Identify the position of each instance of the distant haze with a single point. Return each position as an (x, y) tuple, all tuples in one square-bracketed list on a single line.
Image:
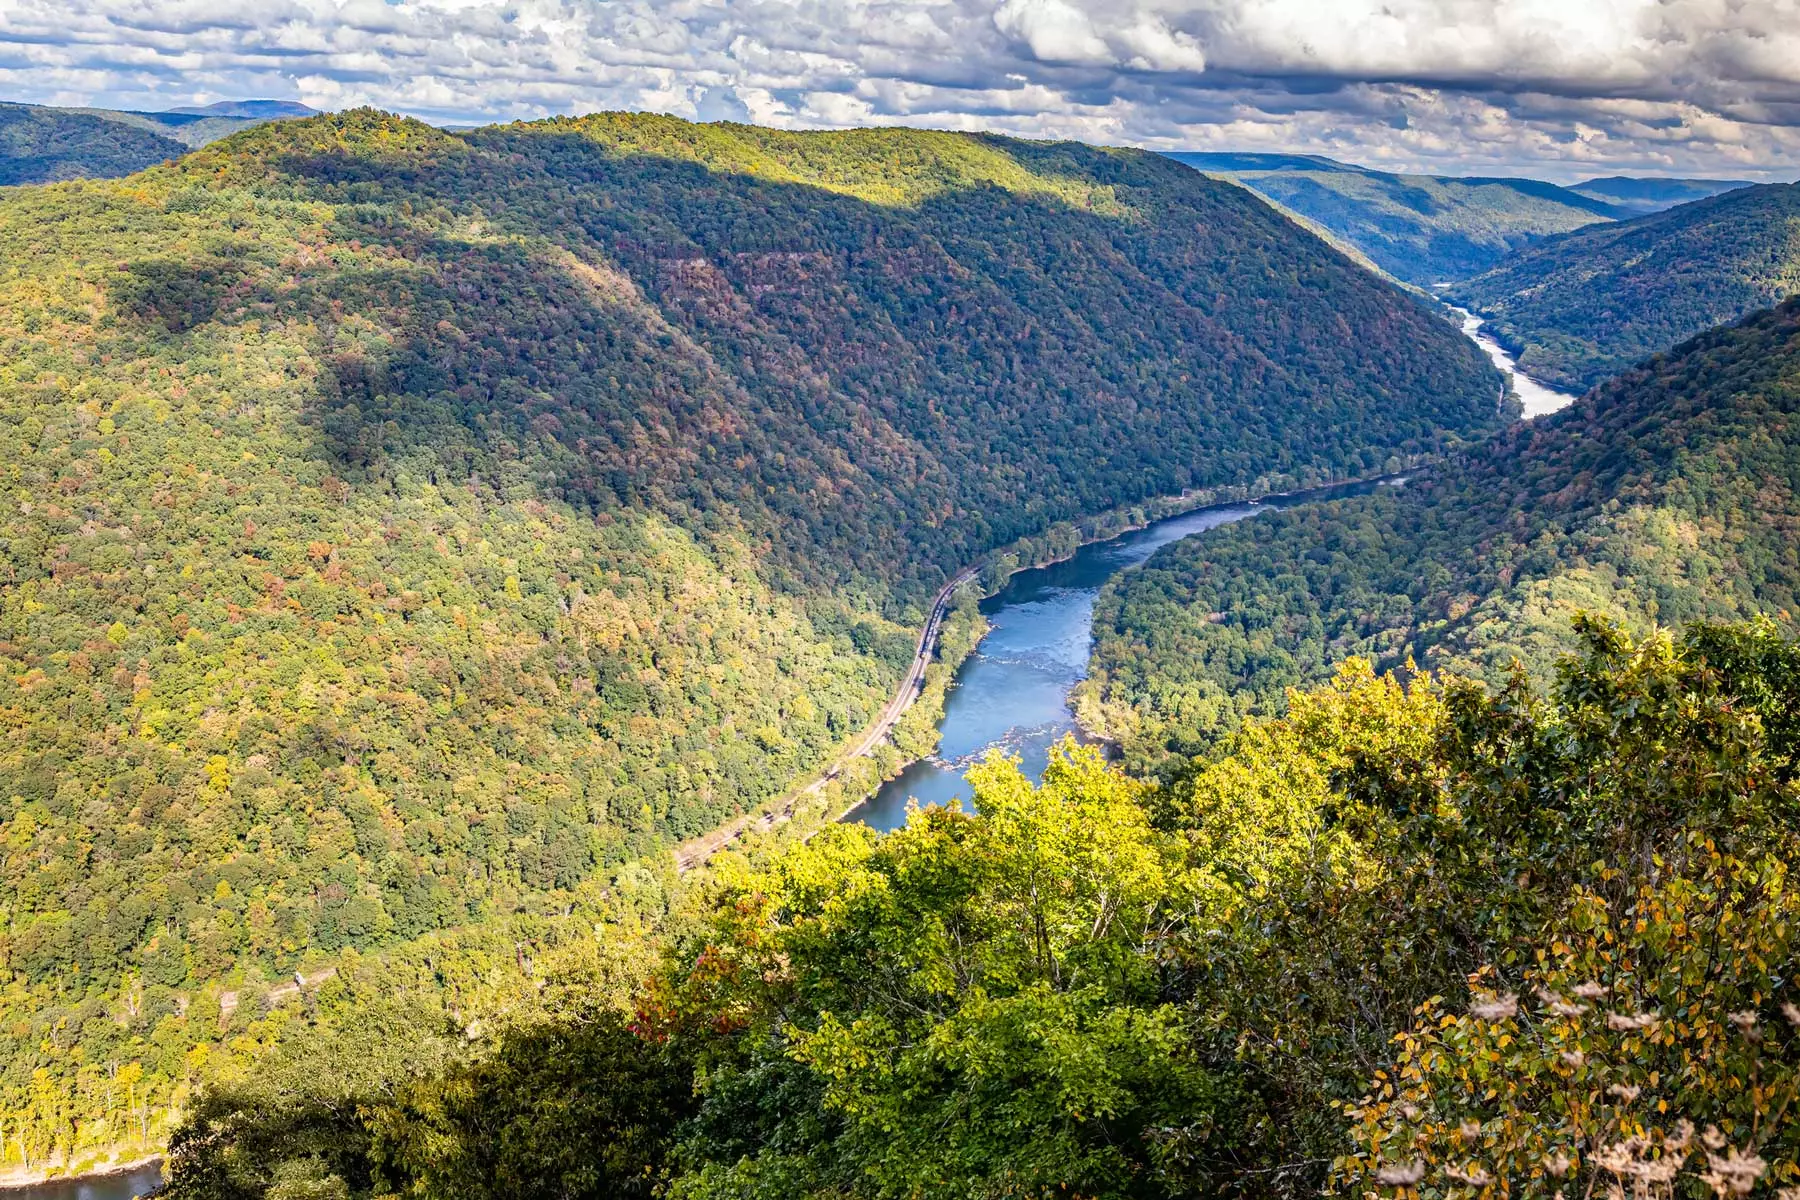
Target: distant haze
[(1427, 229)]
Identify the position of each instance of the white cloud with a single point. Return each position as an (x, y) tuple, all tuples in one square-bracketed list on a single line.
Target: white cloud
[(1156, 47), (1556, 87), (1055, 31)]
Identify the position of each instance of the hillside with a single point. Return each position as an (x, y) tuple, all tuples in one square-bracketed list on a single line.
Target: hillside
[(1578, 308), (1423, 229), (42, 144), (1669, 495), (1400, 937), (406, 532), (38, 145), (1638, 195)]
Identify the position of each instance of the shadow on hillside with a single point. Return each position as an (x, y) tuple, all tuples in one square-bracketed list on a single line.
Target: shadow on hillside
[(871, 390)]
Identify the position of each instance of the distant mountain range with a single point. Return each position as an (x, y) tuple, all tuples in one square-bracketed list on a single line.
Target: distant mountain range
[(1648, 195), (42, 144), (1428, 229), (249, 110)]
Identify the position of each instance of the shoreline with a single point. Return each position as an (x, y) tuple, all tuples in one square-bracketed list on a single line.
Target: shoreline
[(19, 1179), (696, 852), (1166, 507), (1088, 530), (1181, 503)]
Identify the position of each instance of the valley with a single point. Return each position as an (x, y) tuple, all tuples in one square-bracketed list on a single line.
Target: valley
[(412, 538), (477, 605), (1018, 690), (1535, 399), (1663, 497), (1014, 692), (1578, 308)]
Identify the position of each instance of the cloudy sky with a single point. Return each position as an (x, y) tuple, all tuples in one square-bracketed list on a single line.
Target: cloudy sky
[(1561, 89)]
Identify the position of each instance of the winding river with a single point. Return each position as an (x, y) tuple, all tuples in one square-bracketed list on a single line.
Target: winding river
[(1013, 692), (1536, 398)]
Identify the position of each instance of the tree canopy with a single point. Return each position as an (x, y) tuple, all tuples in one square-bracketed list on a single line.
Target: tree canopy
[(408, 536), (1424, 939)]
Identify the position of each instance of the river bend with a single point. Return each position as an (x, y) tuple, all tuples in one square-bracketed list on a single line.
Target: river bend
[(1013, 692)]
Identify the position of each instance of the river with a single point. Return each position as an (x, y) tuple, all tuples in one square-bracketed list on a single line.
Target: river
[(126, 1185), (1537, 399), (1013, 692)]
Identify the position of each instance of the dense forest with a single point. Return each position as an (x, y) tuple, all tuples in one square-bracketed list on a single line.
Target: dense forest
[(1669, 495), (408, 537), (38, 145), (1424, 229), (1578, 308), (1404, 942)]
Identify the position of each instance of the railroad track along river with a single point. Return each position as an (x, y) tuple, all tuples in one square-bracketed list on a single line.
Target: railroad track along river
[(693, 853)]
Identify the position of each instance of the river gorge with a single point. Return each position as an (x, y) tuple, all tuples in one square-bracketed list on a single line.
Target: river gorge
[(1013, 692)]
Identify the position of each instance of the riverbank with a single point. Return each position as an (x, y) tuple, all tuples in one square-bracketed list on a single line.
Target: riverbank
[(19, 1183), (857, 774), (914, 686), (1536, 399), (1015, 695)]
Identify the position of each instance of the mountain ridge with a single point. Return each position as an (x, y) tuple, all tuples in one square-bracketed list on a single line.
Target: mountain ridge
[(1641, 194), (46, 143), (1664, 496), (409, 537)]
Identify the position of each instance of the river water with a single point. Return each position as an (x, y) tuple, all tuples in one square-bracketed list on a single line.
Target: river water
[(1013, 692), (1536, 398), (126, 1185)]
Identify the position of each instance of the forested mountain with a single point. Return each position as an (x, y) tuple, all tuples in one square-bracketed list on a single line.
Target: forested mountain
[(1424, 229), (1669, 495), (1396, 942), (404, 532), (42, 144), (1578, 308), (1647, 194), (38, 145)]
